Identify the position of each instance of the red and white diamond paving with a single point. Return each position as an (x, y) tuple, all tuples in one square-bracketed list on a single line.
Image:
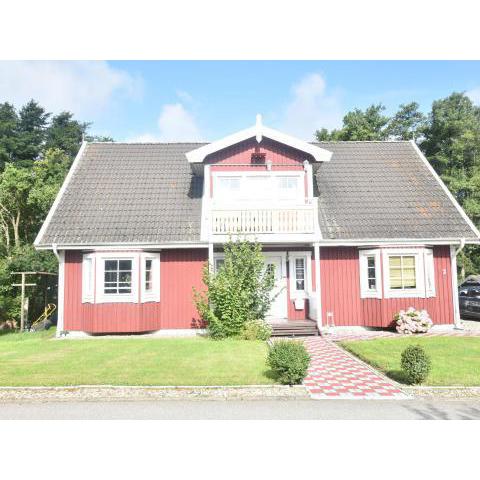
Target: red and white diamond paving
[(335, 374)]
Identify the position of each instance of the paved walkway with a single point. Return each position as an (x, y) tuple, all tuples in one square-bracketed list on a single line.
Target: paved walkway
[(335, 374)]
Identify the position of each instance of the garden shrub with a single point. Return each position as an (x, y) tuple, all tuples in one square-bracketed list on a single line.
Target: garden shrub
[(289, 361), (412, 321), (256, 330), (415, 364), (238, 292)]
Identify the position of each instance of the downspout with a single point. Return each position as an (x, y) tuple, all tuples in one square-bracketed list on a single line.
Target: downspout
[(456, 307), (61, 289)]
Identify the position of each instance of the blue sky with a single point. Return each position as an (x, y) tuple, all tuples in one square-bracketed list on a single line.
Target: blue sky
[(196, 100)]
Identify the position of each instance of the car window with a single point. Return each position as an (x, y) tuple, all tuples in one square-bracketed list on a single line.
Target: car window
[(463, 293), (474, 292)]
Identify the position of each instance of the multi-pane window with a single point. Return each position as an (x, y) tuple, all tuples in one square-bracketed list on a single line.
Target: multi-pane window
[(148, 275), (219, 263), (402, 272), (300, 274), (118, 276), (371, 273), (287, 188)]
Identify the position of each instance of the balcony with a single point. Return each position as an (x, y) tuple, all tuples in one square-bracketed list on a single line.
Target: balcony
[(263, 221)]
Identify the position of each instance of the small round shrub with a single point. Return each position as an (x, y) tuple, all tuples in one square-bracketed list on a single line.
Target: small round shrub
[(289, 361), (256, 330), (413, 321), (415, 364)]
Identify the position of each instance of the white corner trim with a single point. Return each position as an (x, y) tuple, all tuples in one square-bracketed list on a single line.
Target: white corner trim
[(258, 131), (445, 189), (61, 294), (453, 274), (318, 286), (60, 194)]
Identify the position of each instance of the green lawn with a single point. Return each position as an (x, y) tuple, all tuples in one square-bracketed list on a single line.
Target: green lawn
[(455, 360), (39, 359)]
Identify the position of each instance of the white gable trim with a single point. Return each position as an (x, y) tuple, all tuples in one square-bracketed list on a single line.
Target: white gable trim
[(258, 132), (445, 189), (60, 194)]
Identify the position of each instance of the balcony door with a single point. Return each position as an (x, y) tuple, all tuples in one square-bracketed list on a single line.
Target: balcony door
[(278, 309)]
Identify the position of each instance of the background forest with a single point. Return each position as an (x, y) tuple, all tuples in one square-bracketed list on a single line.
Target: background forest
[(37, 149)]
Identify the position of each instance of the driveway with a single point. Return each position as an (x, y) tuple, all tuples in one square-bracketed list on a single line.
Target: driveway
[(246, 410)]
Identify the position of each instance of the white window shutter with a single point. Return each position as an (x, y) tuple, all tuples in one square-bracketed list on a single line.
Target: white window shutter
[(429, 273), (88, 278)]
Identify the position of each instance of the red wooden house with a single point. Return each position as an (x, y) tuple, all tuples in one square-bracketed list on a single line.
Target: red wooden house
[(356, 230)]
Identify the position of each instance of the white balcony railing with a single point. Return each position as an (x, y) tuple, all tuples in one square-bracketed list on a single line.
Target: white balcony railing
[(274, 220)]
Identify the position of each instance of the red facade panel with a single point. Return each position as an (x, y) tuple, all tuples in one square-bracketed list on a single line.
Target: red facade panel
[(341, 302), (180, 270)]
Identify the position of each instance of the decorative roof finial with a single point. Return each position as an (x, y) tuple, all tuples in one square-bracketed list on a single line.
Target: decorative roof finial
[(258, 128)]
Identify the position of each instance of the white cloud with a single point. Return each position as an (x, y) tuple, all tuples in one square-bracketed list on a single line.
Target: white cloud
[(474, 95), (175, 124), (84, 87), (310, 108)]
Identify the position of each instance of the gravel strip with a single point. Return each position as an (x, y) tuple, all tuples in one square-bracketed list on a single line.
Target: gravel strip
[(444, 392), (116, 393)]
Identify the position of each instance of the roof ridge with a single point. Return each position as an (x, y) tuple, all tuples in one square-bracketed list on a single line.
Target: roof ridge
[(145, 143)]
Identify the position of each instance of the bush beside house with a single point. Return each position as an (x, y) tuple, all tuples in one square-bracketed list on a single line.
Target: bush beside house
[(413, 321)]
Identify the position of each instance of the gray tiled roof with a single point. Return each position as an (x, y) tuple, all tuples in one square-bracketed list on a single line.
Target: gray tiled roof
[(146, 193), (377, 190)]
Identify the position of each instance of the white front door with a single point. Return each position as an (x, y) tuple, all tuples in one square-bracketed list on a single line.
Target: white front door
[(278, 309)]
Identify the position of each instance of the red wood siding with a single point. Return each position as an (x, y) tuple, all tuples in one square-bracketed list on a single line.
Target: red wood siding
[(180, 270), (339, 270)]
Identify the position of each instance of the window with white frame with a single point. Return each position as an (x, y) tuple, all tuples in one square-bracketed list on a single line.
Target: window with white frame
[(117, 276), (300, 274), (406, 273), (112, 277), (259, 186), (150, 277), (370, 285), (88, 278), (219, 263)]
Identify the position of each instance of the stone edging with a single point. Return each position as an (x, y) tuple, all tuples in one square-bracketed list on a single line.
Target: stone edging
[(125, 393), (443, 392)]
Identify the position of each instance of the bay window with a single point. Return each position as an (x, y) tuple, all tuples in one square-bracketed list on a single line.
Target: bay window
[(115, 277), (400, 272)]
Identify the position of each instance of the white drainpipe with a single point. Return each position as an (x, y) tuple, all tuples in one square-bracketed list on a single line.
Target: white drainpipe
[(61, 288), (456, 307)]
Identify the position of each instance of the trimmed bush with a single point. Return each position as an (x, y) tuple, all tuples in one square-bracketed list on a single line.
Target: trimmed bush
[(415, 364), (256, 330), (413, 321), (289, 361)]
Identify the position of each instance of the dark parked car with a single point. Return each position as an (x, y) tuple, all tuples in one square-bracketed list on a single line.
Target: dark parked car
[(469, 300)]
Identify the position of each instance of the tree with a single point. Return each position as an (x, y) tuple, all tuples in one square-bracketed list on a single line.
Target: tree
[(8, 131), (408, 123), (239, 292), (370, 124), (65, 133), (31, 133)]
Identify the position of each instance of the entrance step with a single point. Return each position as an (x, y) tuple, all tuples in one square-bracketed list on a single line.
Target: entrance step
[(294, 328)]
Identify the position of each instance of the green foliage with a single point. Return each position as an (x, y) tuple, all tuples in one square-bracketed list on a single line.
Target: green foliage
[(240, 291), (289, 361), (415, 364), (35, 155), (450, 139), (256, 330)]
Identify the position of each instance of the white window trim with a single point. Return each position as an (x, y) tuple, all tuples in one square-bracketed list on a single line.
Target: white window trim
[(294, 293), (419, 291), (100, 296), (429, 262), (366, 292), (88, 278), (154, 294)]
